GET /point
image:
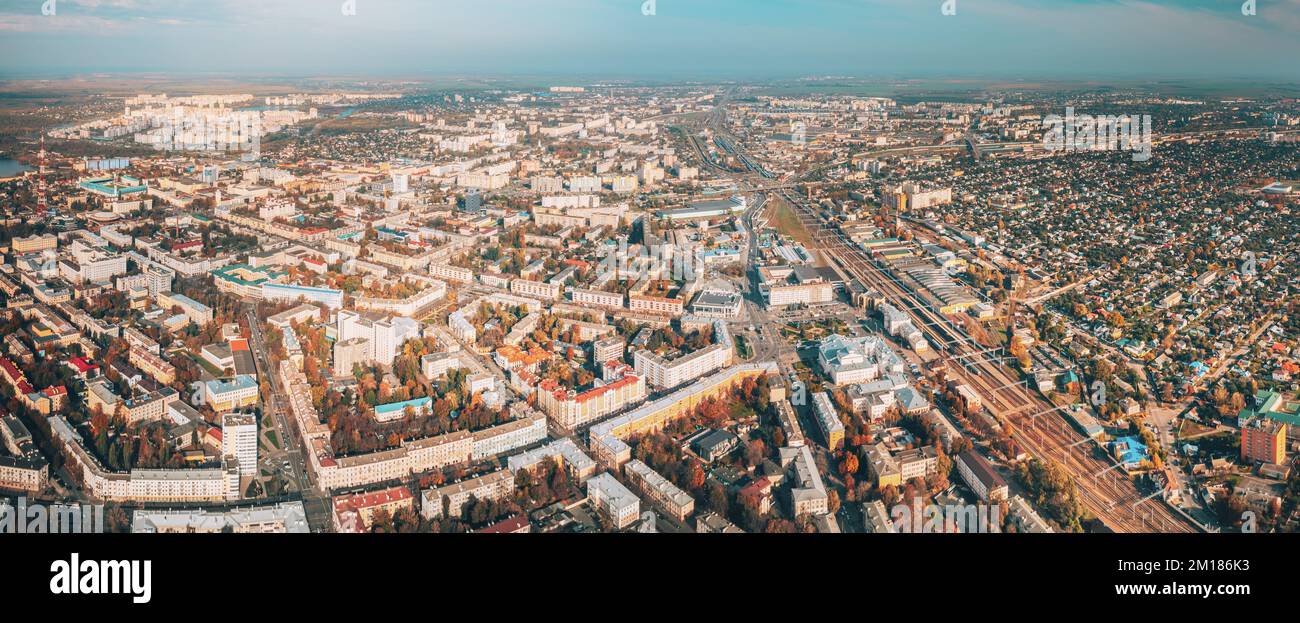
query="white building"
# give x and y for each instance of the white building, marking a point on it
(828, 419)
(857, 360)
(385, 334)
(664, 373)
(239, 440)
(613, 500)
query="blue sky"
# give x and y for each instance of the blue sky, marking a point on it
(685, 38)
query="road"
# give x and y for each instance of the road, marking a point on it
(1036, 425)
(275, 404)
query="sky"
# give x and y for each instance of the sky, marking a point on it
(682, 39)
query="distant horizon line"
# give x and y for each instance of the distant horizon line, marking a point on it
(811, 76)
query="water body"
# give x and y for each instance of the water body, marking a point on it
(11, 168)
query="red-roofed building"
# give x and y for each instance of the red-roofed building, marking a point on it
(355, 513)
(57, 395)
(514, 525)
(12, 374)
(571, 409)
(84, 367)
(315, 265)
(758, 495)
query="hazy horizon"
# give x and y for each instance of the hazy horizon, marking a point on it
(684, 39)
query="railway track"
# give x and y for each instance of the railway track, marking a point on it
(1034, 424)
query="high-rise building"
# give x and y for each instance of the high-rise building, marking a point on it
(239, 440)
(1264, 441)
(348, 353)
(386, 334)
(607, 350)
(473, 200)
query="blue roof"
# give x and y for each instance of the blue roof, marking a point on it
(417, 403)
(1131, 450)
(242, 381)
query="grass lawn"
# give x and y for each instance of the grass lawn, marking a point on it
(1189, 429)
(203, 363)
(786, 222)
(742, 347)
(275, 441)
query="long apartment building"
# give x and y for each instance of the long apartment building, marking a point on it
(152, 364)
(453, 274)
(411, 457)
(606, 437)
(537, 289)
(613, 501)
(661, 492)
(570, 409)
(598, 298)
(668, 373)
(143, 485)
(433, 292)
(451, 499)
(564, 452)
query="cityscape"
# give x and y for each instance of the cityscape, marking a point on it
(569, 298)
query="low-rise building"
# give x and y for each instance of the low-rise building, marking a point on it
(613, 501)
(979, 475)
(450, 500)
(660, 491)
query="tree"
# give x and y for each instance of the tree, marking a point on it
(718, 499)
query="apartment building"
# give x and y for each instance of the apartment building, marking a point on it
(528, 428)
(570, 409)
(668, 373)
(450, 500)
(662, 493)
(598, 298)
(282, 518)
(34, 243)
(655, 305)
(239, 441)
(385, 334)
(356, 513)
(606, 437)
(151, 364)
(979, 475)
(1263, 441)
(607, 350)
(153, 406)
(197, 312)
(453, 274)
(348, 353)
(828, 420)
(613, 501)
(24, 473)
(896, 468)
(564, 451)
(536, 289)
(230, 394)
(807, 493)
